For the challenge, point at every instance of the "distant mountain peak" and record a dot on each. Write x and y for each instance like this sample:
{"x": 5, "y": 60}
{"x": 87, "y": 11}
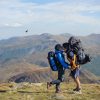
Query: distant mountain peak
{"x": 66, "y": 34}
{"x": 45, "y": 34}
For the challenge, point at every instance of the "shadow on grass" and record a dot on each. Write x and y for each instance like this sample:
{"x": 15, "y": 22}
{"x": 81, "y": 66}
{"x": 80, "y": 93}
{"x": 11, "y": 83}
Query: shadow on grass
{"x": 3, "y": 91}
{"x": 32, "y": 92}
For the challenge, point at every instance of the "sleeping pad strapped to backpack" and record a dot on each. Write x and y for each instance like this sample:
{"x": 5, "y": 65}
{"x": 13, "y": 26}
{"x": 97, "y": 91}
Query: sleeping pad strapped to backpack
{"x": 76, "y": 46}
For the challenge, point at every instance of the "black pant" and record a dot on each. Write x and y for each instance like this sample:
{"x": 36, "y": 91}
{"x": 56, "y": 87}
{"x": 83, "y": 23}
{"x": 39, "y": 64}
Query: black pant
{"x": 61, "y": 72}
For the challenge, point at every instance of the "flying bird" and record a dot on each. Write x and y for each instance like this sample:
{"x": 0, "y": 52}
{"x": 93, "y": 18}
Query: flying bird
{"x": 26, "y": 31}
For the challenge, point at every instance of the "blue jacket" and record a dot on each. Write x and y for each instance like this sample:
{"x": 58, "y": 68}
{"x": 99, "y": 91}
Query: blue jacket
{"x": 61, "y": 59}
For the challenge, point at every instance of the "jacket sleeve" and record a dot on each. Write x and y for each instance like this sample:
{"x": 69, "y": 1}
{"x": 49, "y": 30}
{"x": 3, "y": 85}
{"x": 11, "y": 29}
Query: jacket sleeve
{"x": 62, "y": 61}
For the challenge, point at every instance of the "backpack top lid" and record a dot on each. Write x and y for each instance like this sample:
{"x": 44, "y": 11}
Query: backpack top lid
{"x": 75, "y": 44}
{"x": 73, "y": 40}
{"x": 58, "y": 47}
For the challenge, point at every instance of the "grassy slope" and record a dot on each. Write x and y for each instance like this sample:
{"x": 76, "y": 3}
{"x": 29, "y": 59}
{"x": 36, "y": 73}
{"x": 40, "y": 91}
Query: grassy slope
{"x": 34, "y": 91}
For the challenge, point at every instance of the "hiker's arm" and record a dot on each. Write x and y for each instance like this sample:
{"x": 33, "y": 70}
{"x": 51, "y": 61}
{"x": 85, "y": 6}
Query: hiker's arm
{"x": 69, "y": 59}
{"x": 62, "y": 61}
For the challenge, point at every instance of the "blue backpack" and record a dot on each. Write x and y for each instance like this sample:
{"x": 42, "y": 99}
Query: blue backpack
{"x": 52, "y": 61}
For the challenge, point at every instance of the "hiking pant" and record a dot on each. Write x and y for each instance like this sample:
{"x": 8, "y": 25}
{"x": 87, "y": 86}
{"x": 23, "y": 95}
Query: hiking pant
{"x": 61, "y": 72}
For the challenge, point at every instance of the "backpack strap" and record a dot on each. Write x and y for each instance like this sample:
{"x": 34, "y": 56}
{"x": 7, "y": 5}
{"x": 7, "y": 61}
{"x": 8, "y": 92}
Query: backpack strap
{"x": 73, "y": 62}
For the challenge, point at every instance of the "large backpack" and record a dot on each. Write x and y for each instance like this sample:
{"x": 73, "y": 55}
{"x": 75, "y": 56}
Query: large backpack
{"x": 75, "y": 45}
{"x": 52, "y": 61}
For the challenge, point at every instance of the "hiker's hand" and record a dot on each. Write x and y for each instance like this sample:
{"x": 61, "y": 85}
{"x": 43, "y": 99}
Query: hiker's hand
{"x": 69, "y": 67}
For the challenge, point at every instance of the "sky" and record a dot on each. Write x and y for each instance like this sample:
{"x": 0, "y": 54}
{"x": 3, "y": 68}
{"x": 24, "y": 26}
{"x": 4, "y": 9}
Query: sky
{"x": 78, "y": 17}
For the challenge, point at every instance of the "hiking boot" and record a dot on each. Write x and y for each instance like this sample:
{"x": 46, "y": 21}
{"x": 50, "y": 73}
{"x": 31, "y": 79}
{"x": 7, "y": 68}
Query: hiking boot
{"x": 77, "y": 91}
{"x": 48, "y": 85}
{"x": 58, "y": 89}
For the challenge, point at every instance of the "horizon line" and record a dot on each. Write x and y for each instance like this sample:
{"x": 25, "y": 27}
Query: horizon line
{"x": 18, "y": 36}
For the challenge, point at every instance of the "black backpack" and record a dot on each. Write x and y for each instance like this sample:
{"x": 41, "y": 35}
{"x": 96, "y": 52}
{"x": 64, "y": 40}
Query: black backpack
{"x": 52, "y": 61}
{"x": 75, "y": 45}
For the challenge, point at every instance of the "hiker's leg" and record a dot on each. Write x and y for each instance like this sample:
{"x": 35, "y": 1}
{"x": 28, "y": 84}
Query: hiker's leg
{"x": 77, "y": 90}
{"x": 55, "y": 82}
{"x": 60, "y": 79}
{"x": 61, "y": 72}
{"x": 57, "y": 88}
{"x": 75, "y": 76}
{"x": 78, "y": 85}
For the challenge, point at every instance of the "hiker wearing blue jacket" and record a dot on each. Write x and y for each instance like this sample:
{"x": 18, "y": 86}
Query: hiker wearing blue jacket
{"x": 61, "y": 65}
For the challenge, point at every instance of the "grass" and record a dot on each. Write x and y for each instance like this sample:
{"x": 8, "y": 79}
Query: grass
{"x": 33, "y": 91}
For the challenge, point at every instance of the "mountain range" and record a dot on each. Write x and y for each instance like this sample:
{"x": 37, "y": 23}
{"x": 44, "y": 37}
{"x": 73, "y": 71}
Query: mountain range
{"x": 20, "y": 55}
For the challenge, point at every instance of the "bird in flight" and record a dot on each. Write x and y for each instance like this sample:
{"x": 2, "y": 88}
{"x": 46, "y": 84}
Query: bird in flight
{"x": 26, "y": 31}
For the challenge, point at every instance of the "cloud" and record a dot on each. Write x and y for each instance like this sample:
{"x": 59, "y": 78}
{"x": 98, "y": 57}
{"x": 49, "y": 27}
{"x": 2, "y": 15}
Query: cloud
{"x": 68, "y": 13}
{"x": 59, "y": 11}
{"x": 13, "y": 25}
{"x": 15, "y": 13}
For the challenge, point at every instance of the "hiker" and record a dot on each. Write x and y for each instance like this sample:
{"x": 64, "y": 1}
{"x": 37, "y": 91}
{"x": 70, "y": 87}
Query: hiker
{"x": 60, "y": 66}
{"x": 75, "y": 67}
